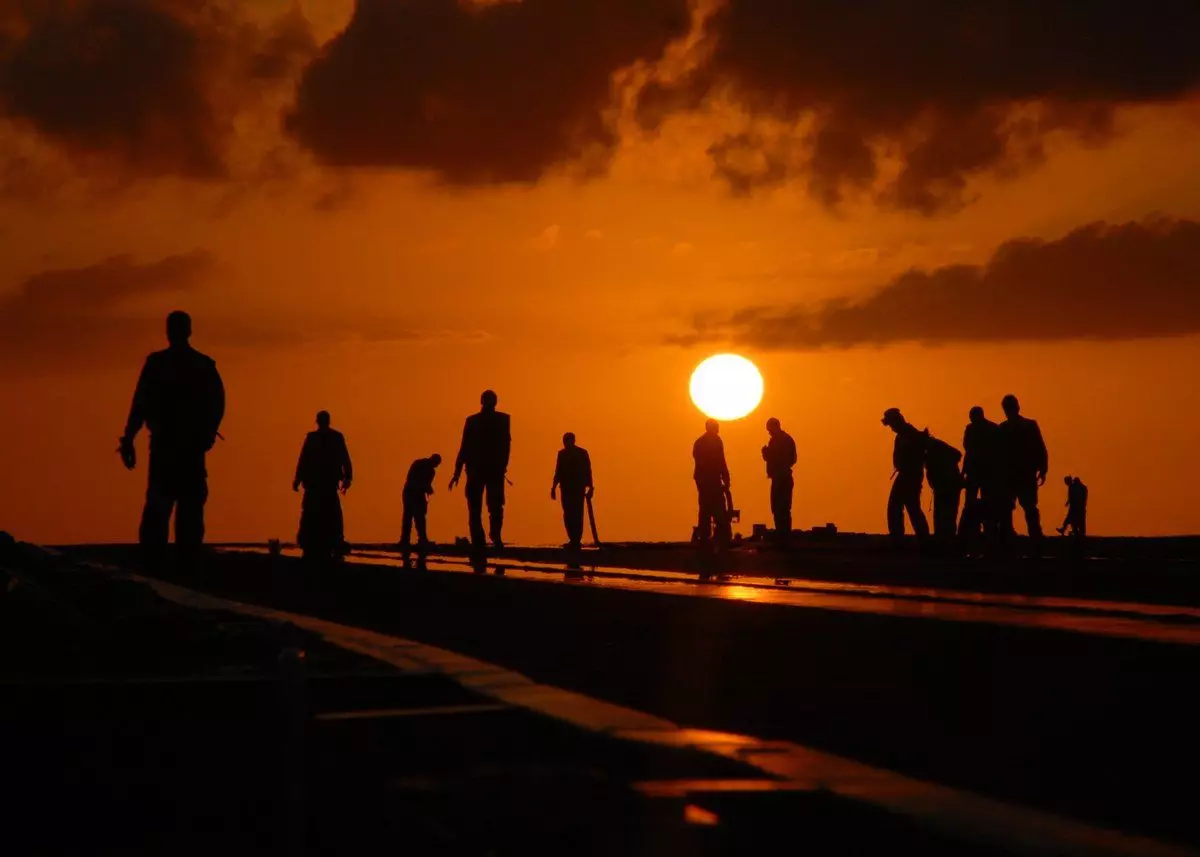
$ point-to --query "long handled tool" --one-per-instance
(592, 521)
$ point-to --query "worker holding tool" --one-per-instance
(573, 479)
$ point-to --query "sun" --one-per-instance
(727, 387)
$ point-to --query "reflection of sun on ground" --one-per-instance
(726, 387)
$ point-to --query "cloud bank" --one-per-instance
(1136, 280)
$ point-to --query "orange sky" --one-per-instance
(392, 296)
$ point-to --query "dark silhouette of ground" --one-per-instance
(780, 456)
(1067, 722)
(323, 469)
(573, 478)
(484, 452)
(1026, 463)
(181, 400)
(418, 486)
(711, 475)
(908, 461)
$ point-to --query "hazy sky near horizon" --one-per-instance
(382, 208)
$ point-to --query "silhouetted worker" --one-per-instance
(780, 456)
(712, 485)
(1026, 462)
(323, 469)
(418, 486)
(981, 473)
(946, 482)
(573, 475)
(181, 400)
(1077, 497)
(908, 461)
(486, 445)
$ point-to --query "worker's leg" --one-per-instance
(912, 505)
(495, 504)
(475, 488)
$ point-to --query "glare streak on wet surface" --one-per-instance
(1149, 622)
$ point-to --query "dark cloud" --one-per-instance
(151, 84)
(1100, 282)
(114, 310)
(74, 314)
(476, 94)
(940, 83)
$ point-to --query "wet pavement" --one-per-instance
(1030, 711)
(1151, 622)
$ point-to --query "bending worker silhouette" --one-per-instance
(1077, 497)
(946, 483)
(181, 400)
(908, 460)
(712, 483)
(573, 477)
(1026, 463)
(323, 468)
(780, 456)
(484, 452)
(418, 486)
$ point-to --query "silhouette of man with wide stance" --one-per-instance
(711, 474)
(780, 456)
(1026, 463)
(323, 469)
(484, 452)
(908, 461)
(981, 474)
(573, 478)
(180, 398)
(418, 486)
(1077, 497)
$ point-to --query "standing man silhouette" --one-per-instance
(484, 452)
(323, 468)
(780, 456)
(711, 475)
(981, 474)
(573, 476)
(1026, 463)
(181, 400)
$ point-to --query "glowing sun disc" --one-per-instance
(726, 387)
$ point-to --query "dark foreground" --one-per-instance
(1085, 726)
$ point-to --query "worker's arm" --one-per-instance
(301, 463)
(557, 476)
(724, 466)
(506, 444)
(347, 467)
(137, 408)
(1043, 454)
(588, 485)
(216, 405)
(792, 457)
(462, 455)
